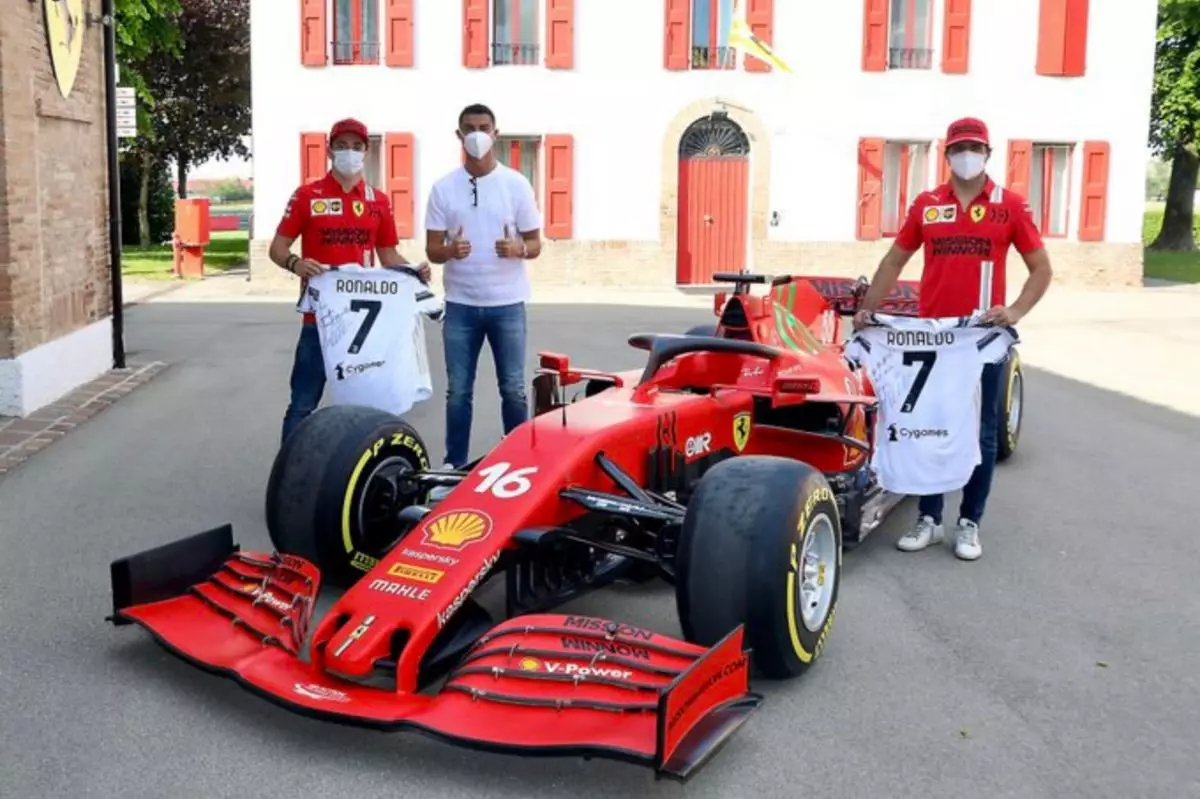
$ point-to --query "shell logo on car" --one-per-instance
(458, 529)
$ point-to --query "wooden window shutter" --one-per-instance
(1075, 46)
(943, 167)
(398, 150)
(1093, 206)
(475, 34)
(1062, 38)
(559, 152)
(677, 34)
(760, 18)
(870, 189)
(560, 34)
(875, 36)
(312, 157)
(399, 23)
(1020, 167)
(956, 38)
(314, 34)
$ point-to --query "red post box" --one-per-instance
(192, 234)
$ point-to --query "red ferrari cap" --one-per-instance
(967, 129)
(349, 126)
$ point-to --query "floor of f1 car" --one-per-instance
(1061, 664)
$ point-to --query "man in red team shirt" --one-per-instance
(340, 219)
(965, 227)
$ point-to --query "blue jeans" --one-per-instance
(464, 329)
(975, 492)
(308, 379)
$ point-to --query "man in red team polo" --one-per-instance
(965, 227)
(340, 219)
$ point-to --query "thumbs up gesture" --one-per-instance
(510, 245)
(459, 246)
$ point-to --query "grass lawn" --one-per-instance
(1183, 267)
(227, 249)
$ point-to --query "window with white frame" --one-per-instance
(515, 39)
(910, 34)
(373, 163)
(711, 23)
(520, 153)
(905, 176)
(1050, 187)
(356, 31)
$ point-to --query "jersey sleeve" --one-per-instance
(1025, 235)
(435, 211)
(856, 350)
(911, 235)
(995, 343)
(385, 234)
(528, 216)
(294, 216)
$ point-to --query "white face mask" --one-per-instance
(968, 165)
(477, 144)
(348, 162)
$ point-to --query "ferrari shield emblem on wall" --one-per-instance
(977, 212)
(741, 430)
(64, 34)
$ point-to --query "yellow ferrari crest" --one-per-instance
(458, 529)
(358, 207)
(64, 34)
(741, 430)
(977, 212)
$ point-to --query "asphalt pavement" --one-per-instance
(1062, 664)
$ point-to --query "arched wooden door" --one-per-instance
(714, 187)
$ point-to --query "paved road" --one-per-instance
(942, 679)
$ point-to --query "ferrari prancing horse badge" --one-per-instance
(741, 430)
(977, 212)
(64, 35)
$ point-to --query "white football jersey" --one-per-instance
(372, 335)
(926, 376)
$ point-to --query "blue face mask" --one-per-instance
(348, 162)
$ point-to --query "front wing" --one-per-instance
(543, 684)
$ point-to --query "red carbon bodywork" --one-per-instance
(547, 682)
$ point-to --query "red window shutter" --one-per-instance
(943, 168)
(559, 152)
(314, 36)
(1094, 202)
(956, 39)
(1052, 37)
(560, 34)
(312, 157)
(1075, 47)
(398, 150)
(399, 23)
(475, 34)
(677, 34)
(870, 189)
(1020, 167)
(760, 17)
(875, 35)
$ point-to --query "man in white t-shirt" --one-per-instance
(482, 221)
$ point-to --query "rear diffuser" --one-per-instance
(545, 684)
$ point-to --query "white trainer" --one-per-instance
(921, 536)
(966, 543)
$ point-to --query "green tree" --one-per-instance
(1175, 118)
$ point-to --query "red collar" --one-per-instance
(945, 192)
(332, 184)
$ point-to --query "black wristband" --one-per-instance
(290, 263)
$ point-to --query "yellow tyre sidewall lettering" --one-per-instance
(793, 622)
(399, 440)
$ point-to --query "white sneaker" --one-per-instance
(966, 544)
(921, 536)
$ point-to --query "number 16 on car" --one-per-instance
(502, 483)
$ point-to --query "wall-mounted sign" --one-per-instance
(64, 35)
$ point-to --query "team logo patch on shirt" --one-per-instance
(940, 213)
(325, 208)
(977, 212)
(358, 207)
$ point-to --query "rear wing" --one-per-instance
(844, 294)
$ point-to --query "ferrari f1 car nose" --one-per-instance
(537, 684)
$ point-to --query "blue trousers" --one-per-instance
(975, 492)
(308, 379)
(464, 329)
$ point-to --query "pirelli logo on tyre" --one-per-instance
(420, 574)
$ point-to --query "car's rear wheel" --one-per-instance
(337, 485)
(1012, 406)
(761, 545)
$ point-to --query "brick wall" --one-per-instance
(53, 177)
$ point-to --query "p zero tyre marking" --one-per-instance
(802, 528)
(347, 501)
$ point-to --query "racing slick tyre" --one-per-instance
(336, 486)
(1012, 403)
(761, 545)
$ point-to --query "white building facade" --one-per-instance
(660, 157)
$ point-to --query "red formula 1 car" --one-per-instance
(734, 465)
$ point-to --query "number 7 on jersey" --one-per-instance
(372, 307)
(926, 361)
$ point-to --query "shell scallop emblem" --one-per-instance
(458, 529)
(530, 664)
